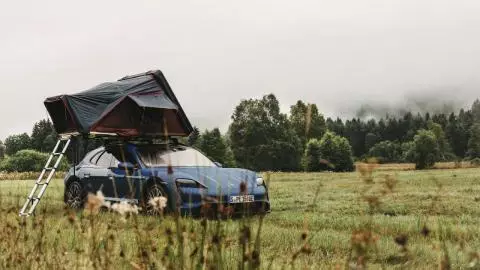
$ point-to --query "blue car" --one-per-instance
(192, 183)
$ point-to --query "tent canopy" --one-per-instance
(137, 105)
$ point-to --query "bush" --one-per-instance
(311, 157)
(386, 152)
(408, 152)
(28, 160)
(426, 149)
(2, 150)
(337, 151)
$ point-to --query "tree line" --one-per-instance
(262, 138)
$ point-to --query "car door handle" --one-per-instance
(87, 175)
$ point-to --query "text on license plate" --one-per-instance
(242, 198)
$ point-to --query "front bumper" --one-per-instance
(226, 210)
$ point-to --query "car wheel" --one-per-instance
(152, 192)
(74, 196)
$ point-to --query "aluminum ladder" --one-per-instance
(41, 184)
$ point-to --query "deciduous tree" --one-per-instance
(15, 143)
(426, 149)
(262, 138)
(306, 121)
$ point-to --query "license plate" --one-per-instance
(242, 199)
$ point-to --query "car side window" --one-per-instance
(104, 160)
(94, 158)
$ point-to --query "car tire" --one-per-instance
(74, 195)
(151, 191)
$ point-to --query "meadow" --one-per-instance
(380, 219)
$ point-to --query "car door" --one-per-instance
(101, 174)
(128, 181)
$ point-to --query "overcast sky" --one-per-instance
(338, 54)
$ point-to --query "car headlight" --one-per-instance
(259, 181)
(181, 182)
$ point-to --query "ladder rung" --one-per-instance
(33, 198)
(41, 184)
(56, 154)
(49, 168)
(24, 214)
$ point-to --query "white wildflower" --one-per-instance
(94, 202)
(124, 208)
(158, 203)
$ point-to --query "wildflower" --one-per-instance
(158, 203)
(94, 202)
(244, 234)
(390, 182)
(373, 201)
(124, 208)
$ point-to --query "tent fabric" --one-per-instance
(137, 105)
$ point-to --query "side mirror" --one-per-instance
(126, 166)
(218, 164)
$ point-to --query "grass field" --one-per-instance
(429, 220)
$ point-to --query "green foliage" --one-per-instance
(444, 150)
(213, 144)
(43, 136)
(456, 135)
(229, 160)
(426, 149)
(306, 121)
(337, 151)
(2, 150)
(387, 152)
(336, 126)
(311, 157)
(262, 138)
(408, 151)
(15, 143)
(476, 111)
(355, 131)
(371, 139)
(27, 160)
(474, 142)
(193, 138)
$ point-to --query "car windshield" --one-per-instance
(180, 156)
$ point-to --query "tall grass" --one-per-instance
(371, 219)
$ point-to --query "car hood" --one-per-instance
(226, 180)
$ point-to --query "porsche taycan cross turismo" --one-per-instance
(191, 182)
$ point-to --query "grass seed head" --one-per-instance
(401, 240)
(425, 231)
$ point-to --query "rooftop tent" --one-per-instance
(138, 105)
